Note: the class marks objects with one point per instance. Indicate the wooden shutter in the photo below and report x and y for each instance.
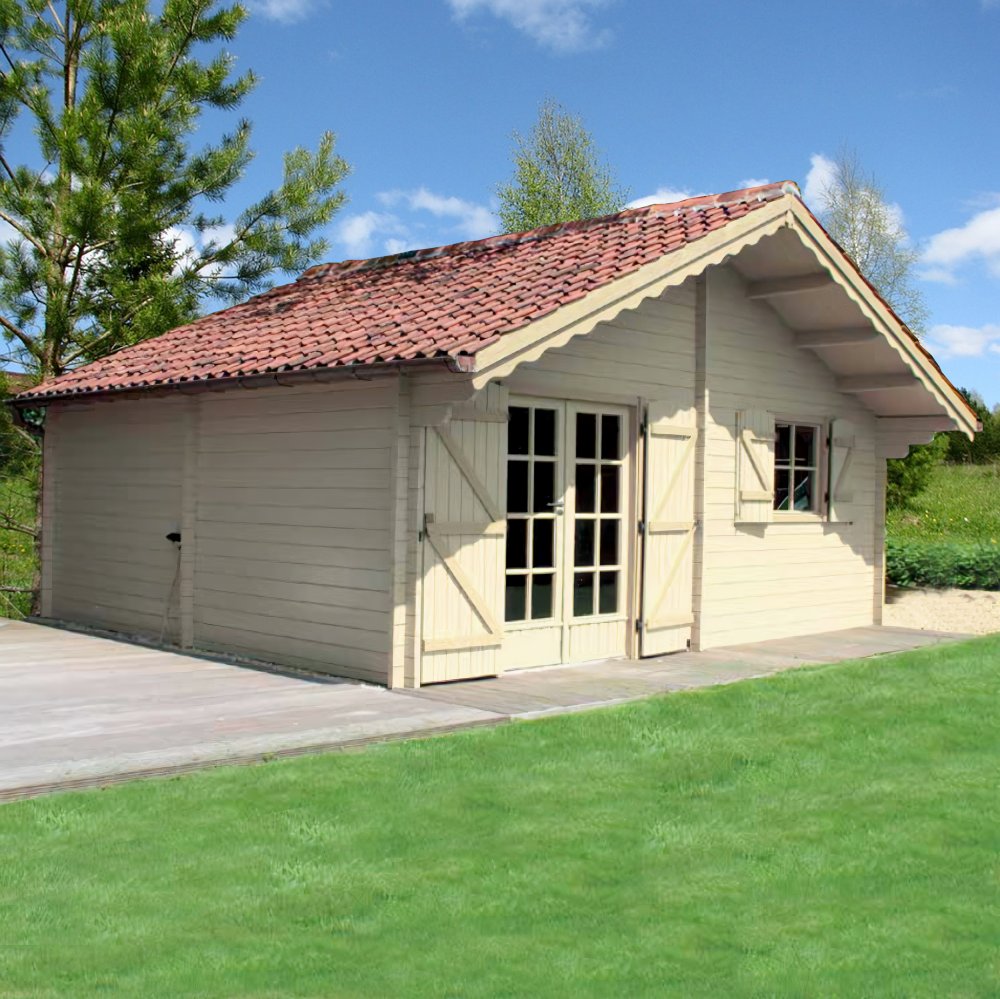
(668, 527)
(464, 531)
(839, 478)
(754, 467)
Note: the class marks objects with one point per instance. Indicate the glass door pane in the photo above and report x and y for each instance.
(598, 505)
(534, 504)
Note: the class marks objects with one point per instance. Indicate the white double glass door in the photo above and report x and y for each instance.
(569, 494)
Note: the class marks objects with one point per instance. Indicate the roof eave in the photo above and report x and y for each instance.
(459, 364)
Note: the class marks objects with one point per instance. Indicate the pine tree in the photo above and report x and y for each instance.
(113, 92)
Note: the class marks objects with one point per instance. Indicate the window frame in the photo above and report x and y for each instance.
(819, 467)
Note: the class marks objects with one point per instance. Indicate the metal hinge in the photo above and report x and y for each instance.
(641, 526)
(639, 626)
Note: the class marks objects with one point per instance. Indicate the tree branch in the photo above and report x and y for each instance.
(18, 334)
(8, 523)
(19, 227)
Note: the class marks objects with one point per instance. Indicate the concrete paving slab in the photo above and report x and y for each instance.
(79, 709)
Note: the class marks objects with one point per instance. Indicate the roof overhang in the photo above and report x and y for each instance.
(790, 262)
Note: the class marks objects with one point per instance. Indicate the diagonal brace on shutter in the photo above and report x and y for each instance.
(679, 468)
(679, 557)
(494, 632)
(766, 492)
(476, 484)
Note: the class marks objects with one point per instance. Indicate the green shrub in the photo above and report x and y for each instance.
(941, 564)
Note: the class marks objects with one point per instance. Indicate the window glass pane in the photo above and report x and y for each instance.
(805, 445)
(586, 486)
(542, 549)
(541, 595)
(609, 542)
(583, 594)
(517, 487)
(514, 609)
(804, 490)
(781, 489)
(545, 431)
(609, 488)
(607, 596)
(545, 486)
(517, 430)
(782, 448)
(517, 544)
(586, 435)
(610, 437)
(583, 545)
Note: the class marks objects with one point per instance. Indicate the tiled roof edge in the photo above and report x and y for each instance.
(764, 192)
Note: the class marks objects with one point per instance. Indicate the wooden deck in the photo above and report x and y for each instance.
(78, 710)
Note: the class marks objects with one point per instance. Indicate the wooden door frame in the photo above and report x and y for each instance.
(630, 409)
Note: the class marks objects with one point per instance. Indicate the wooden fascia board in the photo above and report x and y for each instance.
(882, 319)
(528, 344)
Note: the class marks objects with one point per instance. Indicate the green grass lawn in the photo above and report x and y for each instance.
(17, 552)
(829, 832)
(962, 504)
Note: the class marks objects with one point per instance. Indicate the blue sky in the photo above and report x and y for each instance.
(681, 96)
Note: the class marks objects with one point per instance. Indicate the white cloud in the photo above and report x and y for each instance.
(472, 221)
(662, 196)
(964, 341)
(412, 220)
(978, 239)
(358, 234)
(754, 182)
(938, 275)
(561, 25)
(819, 180)
(283, 11)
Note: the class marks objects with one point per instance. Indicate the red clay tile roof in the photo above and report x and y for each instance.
(450, 301)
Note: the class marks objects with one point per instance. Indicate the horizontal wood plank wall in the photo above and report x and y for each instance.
(116, 495)
(294, 515)
(638, 355)
(778, 579)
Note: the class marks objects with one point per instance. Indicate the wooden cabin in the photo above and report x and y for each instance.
(661, 429)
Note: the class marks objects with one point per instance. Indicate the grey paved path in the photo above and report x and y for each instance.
(557, 689)
(79, 710)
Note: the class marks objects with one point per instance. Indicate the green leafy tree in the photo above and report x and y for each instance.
(117, 234)
(907, 478)
(856, 213)
(558, 175)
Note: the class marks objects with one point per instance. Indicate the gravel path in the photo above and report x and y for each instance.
(973, 612)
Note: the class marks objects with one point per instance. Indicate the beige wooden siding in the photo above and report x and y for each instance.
(638, 355)
(116, 492)
(295, 502)
(781, 578)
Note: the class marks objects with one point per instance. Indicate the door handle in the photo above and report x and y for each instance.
(557, 506)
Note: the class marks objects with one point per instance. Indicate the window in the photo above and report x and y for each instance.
(796, 465)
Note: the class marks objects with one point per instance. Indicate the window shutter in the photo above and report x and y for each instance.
(668, 535)
(464, 530)
(839, 479)
(755, 466)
